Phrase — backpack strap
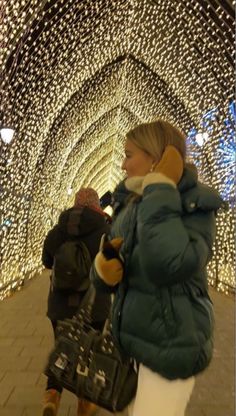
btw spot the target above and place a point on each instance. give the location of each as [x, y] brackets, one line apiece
[73, 222]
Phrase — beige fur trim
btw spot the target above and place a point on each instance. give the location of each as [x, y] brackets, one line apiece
[138, 183]
[155, 177]
[134, 184]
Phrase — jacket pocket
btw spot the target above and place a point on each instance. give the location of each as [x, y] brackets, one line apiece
[168, 311]
[203, 313]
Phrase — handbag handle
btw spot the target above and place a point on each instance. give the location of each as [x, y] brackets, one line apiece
[84, 316]
[85, 309]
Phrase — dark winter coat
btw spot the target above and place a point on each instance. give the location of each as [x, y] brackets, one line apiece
[88, 226]
[162, 315]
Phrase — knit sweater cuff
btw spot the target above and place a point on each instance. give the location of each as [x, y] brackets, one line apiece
[155, 177]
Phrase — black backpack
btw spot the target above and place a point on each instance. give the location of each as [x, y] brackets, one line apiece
[71, 266]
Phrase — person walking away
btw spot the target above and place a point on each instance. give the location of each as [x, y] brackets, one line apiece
[85, 222]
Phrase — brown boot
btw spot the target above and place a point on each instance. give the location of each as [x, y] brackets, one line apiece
[86, 408]
[51, 402]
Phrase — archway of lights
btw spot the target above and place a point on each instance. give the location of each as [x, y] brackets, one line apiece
[76, 75]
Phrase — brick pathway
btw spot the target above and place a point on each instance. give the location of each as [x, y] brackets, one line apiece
[26, 338]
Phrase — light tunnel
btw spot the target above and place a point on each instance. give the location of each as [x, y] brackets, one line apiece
[76, 75]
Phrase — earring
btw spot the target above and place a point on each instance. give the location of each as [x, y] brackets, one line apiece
[152, 167]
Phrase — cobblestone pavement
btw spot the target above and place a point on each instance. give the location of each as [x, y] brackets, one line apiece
[26, 338]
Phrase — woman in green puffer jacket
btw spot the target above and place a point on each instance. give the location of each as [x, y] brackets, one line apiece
[162, 236]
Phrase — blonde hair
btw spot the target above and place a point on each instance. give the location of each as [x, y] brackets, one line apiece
[155, 136]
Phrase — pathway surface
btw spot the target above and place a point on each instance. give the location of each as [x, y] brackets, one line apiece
[26, 338]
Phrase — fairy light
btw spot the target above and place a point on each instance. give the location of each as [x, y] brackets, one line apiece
[201, 138]
[77, 75]
[7, 134]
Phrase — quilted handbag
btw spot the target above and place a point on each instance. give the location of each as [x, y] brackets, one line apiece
[88, 362]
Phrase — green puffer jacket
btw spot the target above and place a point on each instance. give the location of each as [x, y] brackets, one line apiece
[162, 314]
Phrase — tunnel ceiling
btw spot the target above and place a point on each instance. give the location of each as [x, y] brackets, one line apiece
[77, 74]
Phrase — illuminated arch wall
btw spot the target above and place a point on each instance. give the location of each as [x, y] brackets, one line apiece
[75, 76]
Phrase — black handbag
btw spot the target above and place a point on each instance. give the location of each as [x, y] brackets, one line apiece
[88, 362]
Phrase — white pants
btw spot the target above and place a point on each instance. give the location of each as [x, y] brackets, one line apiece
[158, 396]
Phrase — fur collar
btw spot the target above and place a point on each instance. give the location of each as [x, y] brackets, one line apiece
[134, 184]
[193, 194]
[189, 180]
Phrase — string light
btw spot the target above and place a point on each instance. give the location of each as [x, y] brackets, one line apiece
[6, 134]
[201, 138]
[76, 76]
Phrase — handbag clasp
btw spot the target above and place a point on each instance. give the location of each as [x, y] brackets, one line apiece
[100, 378]
[61, 361]
[82, 370]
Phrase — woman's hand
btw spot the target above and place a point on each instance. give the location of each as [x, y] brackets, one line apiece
[171, 164]
[108, 263]
[169, 170]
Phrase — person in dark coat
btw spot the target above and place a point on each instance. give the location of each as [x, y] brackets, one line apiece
[86, 222]
[162, 235]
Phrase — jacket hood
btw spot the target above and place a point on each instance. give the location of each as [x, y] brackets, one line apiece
[195, 195]
[79, 222]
